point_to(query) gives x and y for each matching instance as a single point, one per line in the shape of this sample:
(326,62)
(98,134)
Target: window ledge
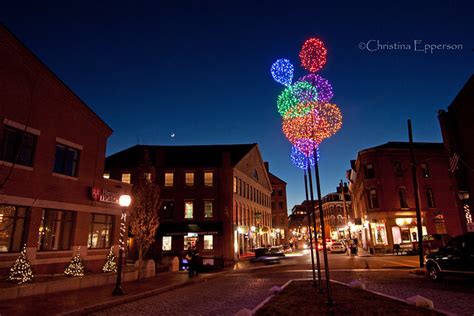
(18,166)
(64,176)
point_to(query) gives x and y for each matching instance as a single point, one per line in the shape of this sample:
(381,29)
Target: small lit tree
(76,266)
(21,270)
(146,201)
(110,265)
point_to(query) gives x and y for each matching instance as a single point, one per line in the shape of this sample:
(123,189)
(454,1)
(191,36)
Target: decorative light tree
(309,119)
(76,266)
(21,270)
(110,264)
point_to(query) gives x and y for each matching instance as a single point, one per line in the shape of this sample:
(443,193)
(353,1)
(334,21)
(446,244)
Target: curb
(265,301)
(138,296)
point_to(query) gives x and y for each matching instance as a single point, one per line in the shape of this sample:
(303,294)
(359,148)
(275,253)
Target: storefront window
(100,233)
(166,243)
(405,234)
(12,226)
(190,240)
(208,242)
(397,239)
(379,233)
(55,230)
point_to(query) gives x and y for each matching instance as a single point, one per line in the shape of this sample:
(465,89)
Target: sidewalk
(83,301)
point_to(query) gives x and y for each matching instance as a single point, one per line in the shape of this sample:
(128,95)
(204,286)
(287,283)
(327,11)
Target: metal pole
(118,284)
(321,217)
(344,208)
(314,227)
(309,228)
(417,196)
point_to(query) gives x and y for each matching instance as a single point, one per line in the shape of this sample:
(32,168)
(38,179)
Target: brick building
(458,130)
(383,198)
(51,159)
(216,197)
(279,208)
(337,212)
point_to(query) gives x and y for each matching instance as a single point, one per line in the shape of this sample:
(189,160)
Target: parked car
(337,247)
(456,258)
(432,243)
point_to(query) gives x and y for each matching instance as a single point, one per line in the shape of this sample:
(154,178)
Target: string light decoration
(313,55)
(76,266)
(21,271)
(110,264)
(323,121)
(321,84)
(300,159)
(282,71)
(297,93)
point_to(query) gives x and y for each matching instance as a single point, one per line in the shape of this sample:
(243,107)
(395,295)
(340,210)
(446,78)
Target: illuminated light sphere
(300,160)
(323,121)
(307,146)
(321,84)
(303,127)
(313,55)
(282,71)
(297,93)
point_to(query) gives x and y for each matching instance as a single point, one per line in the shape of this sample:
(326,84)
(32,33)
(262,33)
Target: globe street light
(124,202)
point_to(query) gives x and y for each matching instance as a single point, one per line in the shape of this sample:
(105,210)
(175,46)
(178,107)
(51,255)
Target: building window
(18,146)
(166,243)
(190,240)
(373,201)
(208,179)
(101,230)
(167,209)
(208,242)
(169,179)
(208,209)
(189,178)
(148,176)
(280,205)
(379,233)
(402,196)
(240,187)
(398,169)
(430,198)
(425,171)
(66,160)
(55,230)
(106,176)
(369,171)
(255,174)
(12,227)
(235,184)
(126,177)
(188,209)
(280,192)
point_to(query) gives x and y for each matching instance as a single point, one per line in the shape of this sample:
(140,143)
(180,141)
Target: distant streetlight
(124,202)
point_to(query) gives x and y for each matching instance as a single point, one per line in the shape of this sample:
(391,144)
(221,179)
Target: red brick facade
(48,181)
(383,198)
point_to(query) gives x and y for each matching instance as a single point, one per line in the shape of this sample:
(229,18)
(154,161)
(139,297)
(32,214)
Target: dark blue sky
(201,70)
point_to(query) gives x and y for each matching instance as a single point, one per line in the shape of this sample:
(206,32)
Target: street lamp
(124,202)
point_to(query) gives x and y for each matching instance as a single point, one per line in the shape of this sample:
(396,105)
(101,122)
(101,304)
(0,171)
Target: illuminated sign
(103,195)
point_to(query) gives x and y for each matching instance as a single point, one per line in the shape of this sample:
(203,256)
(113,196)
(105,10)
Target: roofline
(42,64)
(398,142)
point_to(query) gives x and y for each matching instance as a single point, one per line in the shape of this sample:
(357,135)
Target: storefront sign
(103,195)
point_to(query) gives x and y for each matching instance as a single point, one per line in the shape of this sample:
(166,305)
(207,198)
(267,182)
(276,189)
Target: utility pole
(417,195)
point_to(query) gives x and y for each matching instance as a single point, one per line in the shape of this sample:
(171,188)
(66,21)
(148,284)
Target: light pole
(124,202)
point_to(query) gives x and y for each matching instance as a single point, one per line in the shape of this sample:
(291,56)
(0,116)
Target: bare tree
(144,219)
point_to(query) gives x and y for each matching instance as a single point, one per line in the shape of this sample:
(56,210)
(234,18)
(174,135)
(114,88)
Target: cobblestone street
(233,291)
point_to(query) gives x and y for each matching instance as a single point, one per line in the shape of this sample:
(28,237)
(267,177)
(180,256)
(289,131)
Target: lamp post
(124,202)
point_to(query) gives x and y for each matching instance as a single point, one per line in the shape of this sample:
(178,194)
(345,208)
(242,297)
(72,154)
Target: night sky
(201,70)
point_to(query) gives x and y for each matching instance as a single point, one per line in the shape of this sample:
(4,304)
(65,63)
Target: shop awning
(201,228)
